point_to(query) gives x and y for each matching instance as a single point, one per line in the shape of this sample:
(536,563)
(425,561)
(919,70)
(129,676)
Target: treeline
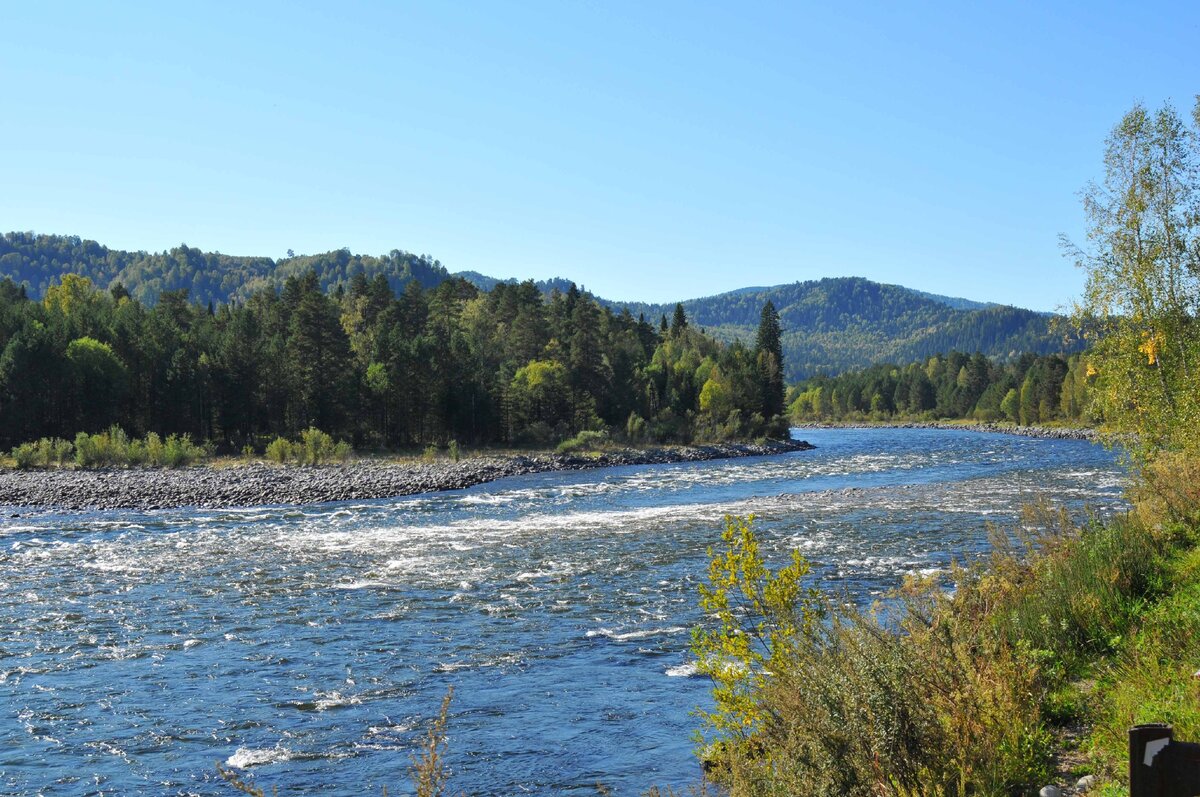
(363,364)
(40,261)
(1028,390)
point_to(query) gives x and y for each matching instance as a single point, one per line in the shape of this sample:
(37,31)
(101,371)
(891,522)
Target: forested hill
(829,325)
(839,324)
(39,261)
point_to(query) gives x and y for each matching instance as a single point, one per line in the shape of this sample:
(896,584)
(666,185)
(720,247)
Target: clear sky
(651,151)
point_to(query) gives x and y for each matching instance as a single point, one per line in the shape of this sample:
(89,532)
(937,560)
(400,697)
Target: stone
(1086,783)
(1050,791)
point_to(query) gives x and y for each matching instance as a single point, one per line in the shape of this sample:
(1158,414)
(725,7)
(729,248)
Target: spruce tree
(768,347)
(679,321)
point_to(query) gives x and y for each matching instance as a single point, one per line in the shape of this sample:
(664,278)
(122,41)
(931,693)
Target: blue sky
(650,151)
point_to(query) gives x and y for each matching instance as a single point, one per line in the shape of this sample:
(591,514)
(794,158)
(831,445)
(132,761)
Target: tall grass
(952,693)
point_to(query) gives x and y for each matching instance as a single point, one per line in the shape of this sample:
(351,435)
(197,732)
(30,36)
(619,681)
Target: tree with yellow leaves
(1141,304)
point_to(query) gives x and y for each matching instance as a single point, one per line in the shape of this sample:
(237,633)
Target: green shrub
(951,694)
(430,453)
(248,451)
(154,449)
(26,456)
(135,453)
(111,448)
(313,448)
(89,450)
(452,449)
(179,451)
(279,450)
(317,446)
(587,440)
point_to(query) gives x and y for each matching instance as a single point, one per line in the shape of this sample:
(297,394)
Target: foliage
(44,453)
(112,447)
(428,771)
(1153,677)
(313,448)
(587,440)
(941,693)
(433,364)
(1030,389)
(760,618)
(838,324)
(827,326)
(1142,297)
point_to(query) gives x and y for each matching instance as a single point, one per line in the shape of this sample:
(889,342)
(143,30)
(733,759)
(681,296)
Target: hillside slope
(830,325)
(837,324)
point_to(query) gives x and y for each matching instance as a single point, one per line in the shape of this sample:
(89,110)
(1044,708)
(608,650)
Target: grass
(977,692)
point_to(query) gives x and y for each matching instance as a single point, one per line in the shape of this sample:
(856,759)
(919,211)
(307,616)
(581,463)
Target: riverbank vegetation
(109,448)
(1030,389)
(508,366)
(1032,668)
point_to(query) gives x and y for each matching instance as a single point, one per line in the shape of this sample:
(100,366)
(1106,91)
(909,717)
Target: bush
(313,448)
(26,456)
(90,450)
(154,449)
(452,449)
(110,448)
(949,694)
(586,440)
(279,450)
(430,453)
(179,451)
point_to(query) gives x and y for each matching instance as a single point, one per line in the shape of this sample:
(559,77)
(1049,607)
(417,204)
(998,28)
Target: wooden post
(1145,780)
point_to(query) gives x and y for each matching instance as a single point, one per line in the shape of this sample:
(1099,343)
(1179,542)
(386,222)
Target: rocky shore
(1044,432)
(262,484)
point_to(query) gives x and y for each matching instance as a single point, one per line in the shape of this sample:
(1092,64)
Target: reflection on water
(308,645)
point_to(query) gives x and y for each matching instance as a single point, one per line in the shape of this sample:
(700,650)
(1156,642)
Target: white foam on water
(685,670)
(626,636)
(246,757)
(364,584)
(335,699)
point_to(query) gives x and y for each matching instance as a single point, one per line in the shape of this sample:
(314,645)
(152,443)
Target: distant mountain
(838,324)
(829,325)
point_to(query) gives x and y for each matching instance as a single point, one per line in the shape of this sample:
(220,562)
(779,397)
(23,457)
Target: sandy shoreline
(263,484)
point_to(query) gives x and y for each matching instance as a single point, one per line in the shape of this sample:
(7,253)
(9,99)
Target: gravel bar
(263,484)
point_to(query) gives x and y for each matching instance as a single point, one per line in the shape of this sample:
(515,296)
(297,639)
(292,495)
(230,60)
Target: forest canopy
(452,362)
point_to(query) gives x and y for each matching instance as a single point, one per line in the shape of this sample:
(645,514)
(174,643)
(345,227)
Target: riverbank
(1041,658)
(257,484)
(1043,432)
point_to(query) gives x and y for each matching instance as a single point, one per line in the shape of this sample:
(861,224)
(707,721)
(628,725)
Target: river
(307,647)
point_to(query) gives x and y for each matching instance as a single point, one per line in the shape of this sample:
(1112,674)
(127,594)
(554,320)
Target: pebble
(262,484)
(1086,783)
(1050,791)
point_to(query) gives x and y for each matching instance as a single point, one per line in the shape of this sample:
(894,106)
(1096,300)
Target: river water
(308,647)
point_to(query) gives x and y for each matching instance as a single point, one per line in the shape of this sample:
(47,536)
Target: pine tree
(679,321)
(768,347)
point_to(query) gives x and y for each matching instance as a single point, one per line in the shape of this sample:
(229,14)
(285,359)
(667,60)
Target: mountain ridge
(829,325)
